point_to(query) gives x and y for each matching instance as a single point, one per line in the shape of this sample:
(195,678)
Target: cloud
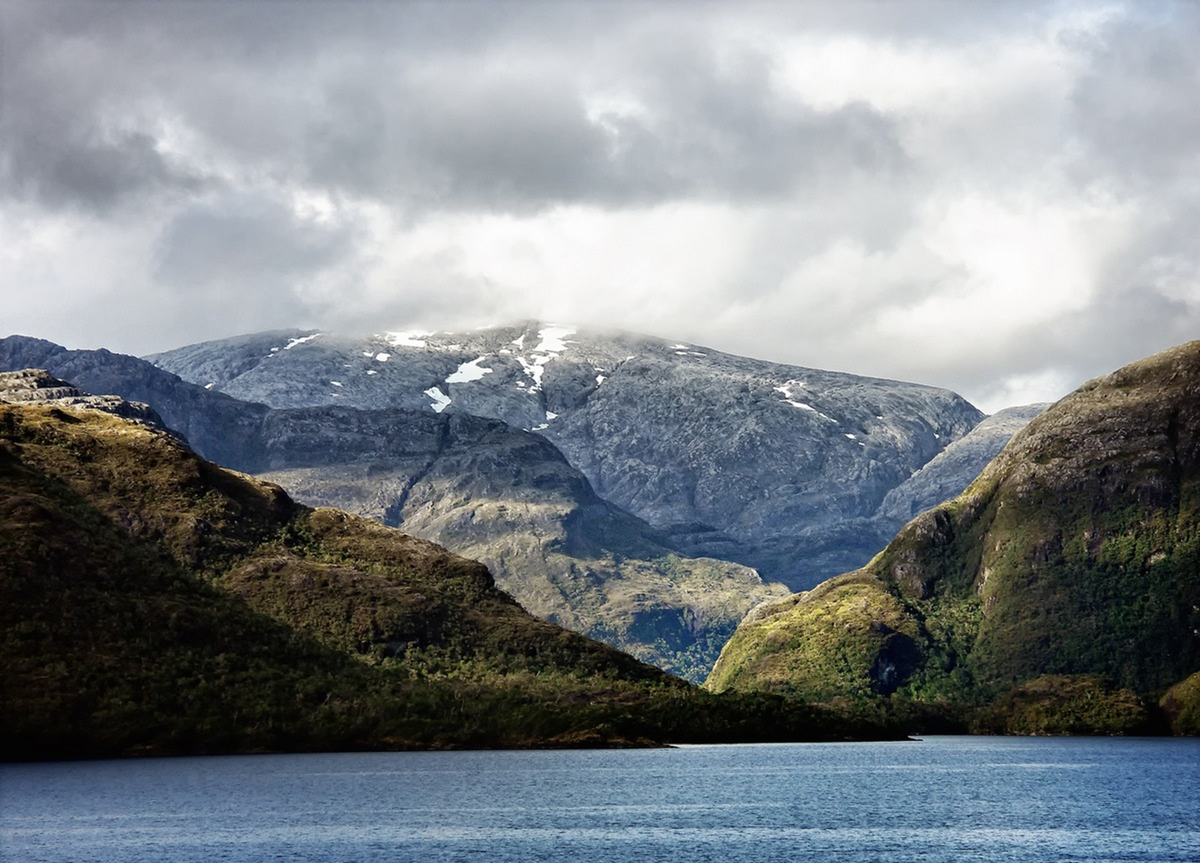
(999,198)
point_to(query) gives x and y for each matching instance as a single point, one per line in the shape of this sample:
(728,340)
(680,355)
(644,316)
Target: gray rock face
(954,468)
(774,466)
(38,386)
(509,499)
(220,428)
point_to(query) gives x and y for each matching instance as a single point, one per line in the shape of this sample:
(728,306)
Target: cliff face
(510,500)
(769,465)
(1076,552)
(954,468)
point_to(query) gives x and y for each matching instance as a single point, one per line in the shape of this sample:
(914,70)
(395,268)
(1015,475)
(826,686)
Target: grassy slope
(1076,553)
(152,602)
(589,568)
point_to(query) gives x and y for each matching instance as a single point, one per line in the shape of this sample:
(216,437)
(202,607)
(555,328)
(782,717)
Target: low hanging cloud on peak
(997,198)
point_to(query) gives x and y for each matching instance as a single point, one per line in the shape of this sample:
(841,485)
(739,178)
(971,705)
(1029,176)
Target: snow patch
(293,342)
(534,369)
(790,397)
(519,342)
(553,339)
(469,372)
(411,339)
(372,372)
(336,383)
(540,427)
(551,415)
(851,436)
(439,401)
(600,379)
(210,386)
(383,357)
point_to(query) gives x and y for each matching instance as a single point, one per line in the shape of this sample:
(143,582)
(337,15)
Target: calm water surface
(941,799)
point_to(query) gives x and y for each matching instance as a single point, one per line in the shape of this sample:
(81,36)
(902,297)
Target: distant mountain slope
(1076,553)
(509,499)
(769,465)
(151,602)
(954,468)
(475,485)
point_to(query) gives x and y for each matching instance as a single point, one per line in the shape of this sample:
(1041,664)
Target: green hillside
(151,602)
(1068,574)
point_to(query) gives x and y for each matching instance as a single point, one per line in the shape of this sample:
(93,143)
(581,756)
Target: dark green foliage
(1054,595)
(1181,706)
(1055,704)
(153,603)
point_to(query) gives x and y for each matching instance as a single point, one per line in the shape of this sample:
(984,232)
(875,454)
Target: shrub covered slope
(1066,576)
(151,602)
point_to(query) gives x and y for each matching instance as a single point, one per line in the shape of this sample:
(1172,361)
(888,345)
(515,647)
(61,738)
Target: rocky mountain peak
(763,463)
(39,386)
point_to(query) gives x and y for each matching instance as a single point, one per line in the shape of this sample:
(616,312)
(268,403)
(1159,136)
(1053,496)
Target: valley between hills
(618,511)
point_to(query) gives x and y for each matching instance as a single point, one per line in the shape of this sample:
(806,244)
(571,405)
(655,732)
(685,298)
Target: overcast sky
(1002,198)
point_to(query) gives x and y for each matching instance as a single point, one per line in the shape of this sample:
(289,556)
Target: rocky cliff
(954,468)
(1074,557)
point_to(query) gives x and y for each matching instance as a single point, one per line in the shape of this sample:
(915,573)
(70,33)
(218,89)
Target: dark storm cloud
(1136,109)
(63,143)
(469,155)
(325,97)
(247,244)
(514,141)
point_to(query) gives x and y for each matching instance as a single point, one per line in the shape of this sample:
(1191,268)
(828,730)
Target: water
(941,799)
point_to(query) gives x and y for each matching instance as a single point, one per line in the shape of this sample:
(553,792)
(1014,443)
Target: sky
(999,198)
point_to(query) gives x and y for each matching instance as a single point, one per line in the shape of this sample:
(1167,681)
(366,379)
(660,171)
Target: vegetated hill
(151,602)
(501,495)
(510,500)
(1060,588)
(769,465)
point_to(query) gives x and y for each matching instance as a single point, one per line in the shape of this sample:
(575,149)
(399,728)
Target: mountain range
(768,465)
(152,602)
(630,488)
(1057,593)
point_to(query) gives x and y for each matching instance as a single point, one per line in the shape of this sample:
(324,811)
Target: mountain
(501,495)
(1060,591)
(769,465)
(152,602)
(954,468)
(509,499)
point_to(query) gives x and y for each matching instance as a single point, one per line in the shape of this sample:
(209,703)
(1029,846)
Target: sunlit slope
(1076,552)
(151,602)
(482,488)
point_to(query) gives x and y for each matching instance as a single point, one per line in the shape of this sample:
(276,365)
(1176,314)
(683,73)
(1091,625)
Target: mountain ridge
(1074,557)
(757,462)
(457,479)
(154,603)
